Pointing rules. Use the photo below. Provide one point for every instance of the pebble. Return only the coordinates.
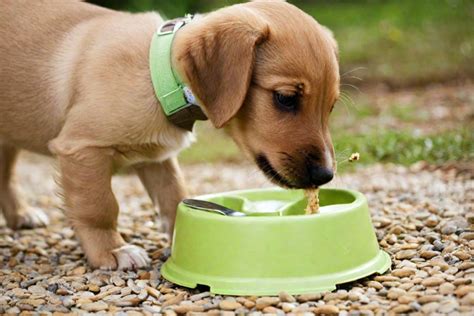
(401, 308)
(326, 310)
(432, 281)
(95, 307)
(467, 236)
(429, 298)
(446, 288)
(229, 305)
(309, 297)
(438, 245)
(432, 221)
(468, 299)
(405, 254)
(405, 272)
(288, 307)
(428, 254)
(285, 297)
(463, 290)
(271, 310)
(395, 293)
(188, 308)
(375, 285)
(263, 302)
(430, 307)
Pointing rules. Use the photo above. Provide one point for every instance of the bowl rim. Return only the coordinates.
(359, 200)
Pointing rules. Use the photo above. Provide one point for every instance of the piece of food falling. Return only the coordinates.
(354, 157)
(313, 201)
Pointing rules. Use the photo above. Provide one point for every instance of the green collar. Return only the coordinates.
(176, 99)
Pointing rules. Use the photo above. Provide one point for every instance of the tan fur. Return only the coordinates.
(76, 85)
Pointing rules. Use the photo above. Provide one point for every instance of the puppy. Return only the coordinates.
(76, 84)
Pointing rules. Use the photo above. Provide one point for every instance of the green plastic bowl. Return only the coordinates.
(276, 248)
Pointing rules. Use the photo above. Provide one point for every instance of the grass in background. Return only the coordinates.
(376, 146)
(400, 42)
(404, 41)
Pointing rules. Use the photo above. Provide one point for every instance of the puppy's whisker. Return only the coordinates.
(355, 77)
(350, 85)
(353, 70)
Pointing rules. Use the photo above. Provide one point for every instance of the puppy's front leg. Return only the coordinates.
(93, 210)
(165, 186)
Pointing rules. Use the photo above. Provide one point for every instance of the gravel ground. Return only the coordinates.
(424, 219)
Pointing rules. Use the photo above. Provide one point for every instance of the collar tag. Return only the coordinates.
(177, 100)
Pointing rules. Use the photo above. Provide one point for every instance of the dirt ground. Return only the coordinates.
(423, 217)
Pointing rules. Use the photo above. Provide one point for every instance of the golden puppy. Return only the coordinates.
(75, 83)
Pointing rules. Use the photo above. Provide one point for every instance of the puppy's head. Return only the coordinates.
(267, 72)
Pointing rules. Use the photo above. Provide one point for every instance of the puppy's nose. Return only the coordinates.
(319, 175)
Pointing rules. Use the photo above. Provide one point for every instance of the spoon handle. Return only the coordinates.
(210, 206)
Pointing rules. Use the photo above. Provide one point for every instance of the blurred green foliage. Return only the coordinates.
(400, 42)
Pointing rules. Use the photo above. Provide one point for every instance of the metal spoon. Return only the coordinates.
(211, 207)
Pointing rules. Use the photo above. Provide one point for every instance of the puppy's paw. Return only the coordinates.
(27, 218)
(130, 257)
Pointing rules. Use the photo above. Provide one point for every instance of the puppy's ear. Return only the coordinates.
(216, 55)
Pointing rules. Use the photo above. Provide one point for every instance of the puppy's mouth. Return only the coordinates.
(271, 173)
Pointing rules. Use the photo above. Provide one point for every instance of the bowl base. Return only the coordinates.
(273, 286)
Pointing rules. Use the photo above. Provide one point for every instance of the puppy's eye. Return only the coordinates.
(287, 103)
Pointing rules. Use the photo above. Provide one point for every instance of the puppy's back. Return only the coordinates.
(31, 33)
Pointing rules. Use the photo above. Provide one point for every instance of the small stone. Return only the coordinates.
(466, 265)
(462, 255)
(428, 254)
(32, 302)
(406, 299)
(467, 236)
(462, 281)
(432, 221)
(309, 297)
(446, 288)
(263, 302)
(400, 309)
(448, 307)
(463, 290)
(271, 310)
(117, 281)
(395, 293)
(288, 307)
(79, 271)
(429, 298)
(375, 285)
(93, 288)
(326, 310)
(229, 305)
(430, 307)
(405, 254)
(432, 281)
(188, 308)
(438, 245)
(448, 229)
(95, 307)
(174, 300)
(354, 297)
(200, 296)
(468, 299)
(13, 311)
(402, 273)
(285, 297)
(153, 292)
